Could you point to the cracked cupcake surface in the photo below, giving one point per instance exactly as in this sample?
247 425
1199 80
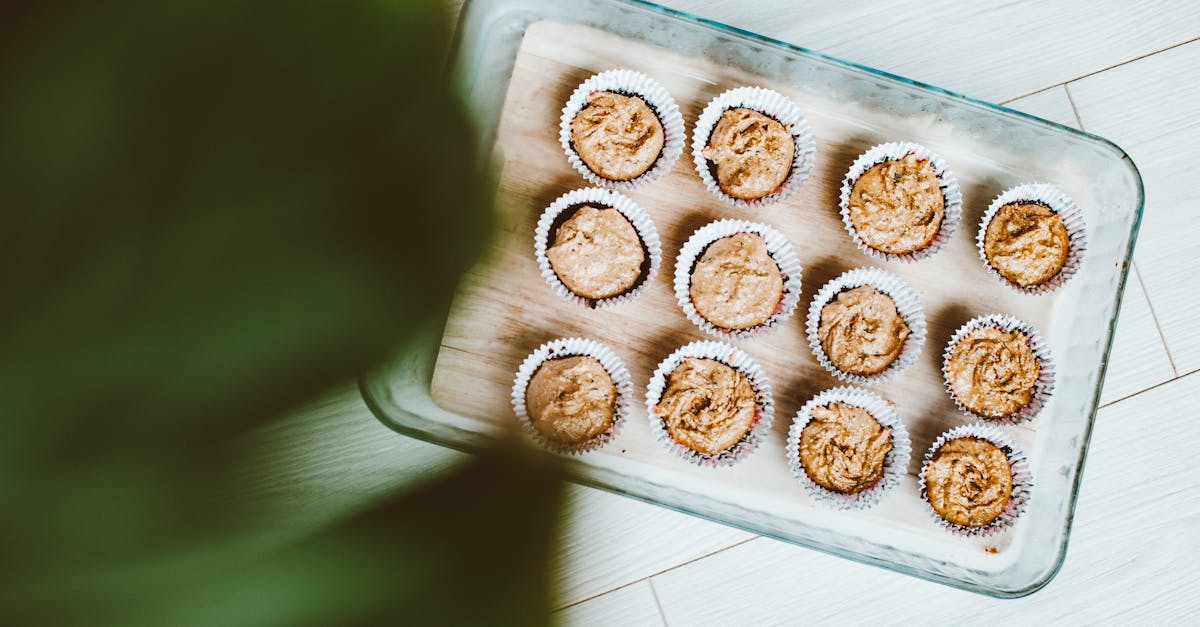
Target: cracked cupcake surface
571 400
618 137
752 153
897 206
707 406
597 253
993 372
969 481
736 284
843 448
1027 243
861 331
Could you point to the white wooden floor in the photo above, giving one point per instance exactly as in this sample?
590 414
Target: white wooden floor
1129 71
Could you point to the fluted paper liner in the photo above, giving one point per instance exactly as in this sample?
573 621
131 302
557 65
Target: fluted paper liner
907 305
596 196
951 194
774 105
1059 203
733 358
630 83
1022 479
781 252
895 464
1044 386
571 347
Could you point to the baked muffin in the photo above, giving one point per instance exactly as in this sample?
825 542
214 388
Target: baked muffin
751 152
736 284
1027 243
597 253
707 406
992 372
861 331
571 400
618 136
897 206
843 448
968 481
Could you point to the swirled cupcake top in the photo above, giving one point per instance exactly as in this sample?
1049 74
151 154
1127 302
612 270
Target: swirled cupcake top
843 448
861 331
1026 243
993 372
707 406
735 283
752 151
969 481
619 137
597 253
897 206
571 400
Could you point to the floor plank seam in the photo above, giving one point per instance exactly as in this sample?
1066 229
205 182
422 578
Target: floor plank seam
1103 69
662 616
1074 109
1154 316
598 595
1153 387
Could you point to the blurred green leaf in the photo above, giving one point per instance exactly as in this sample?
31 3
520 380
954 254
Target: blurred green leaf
213 211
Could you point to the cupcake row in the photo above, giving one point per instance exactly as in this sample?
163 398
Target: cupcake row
752 147
710 404
736 279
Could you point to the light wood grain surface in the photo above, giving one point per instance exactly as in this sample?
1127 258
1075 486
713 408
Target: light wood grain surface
1124 70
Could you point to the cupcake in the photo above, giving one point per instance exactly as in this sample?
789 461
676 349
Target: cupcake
899 202
975 480
865 326
752 146
737 279
1032 237
997 367
621 128
596 247
709 403
847 447
571 394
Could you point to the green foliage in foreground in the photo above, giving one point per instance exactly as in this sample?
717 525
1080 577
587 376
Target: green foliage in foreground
214 210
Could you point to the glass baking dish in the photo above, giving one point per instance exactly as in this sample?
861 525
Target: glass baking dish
850 107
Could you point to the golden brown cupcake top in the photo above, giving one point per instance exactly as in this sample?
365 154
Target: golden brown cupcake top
1026 243
993 372
897 206
597 253
969 482
707 405
843 448
753 153
735 283
619 137
571 400
861 331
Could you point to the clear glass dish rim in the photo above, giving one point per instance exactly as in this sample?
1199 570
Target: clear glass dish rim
470 442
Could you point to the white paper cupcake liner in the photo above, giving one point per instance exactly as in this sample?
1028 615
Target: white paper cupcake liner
595 196
895 465
1041 352
631 83
733 358
571 347
907 305
778 247
769 103
895 151
1022 479
1059 203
